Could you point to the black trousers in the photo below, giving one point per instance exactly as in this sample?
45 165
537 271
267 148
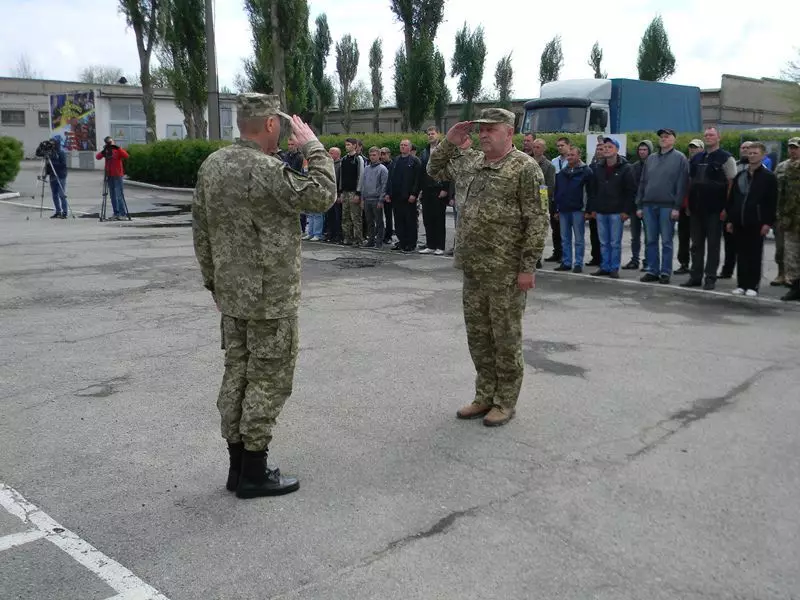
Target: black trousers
405 223
555 228
749 254
433 218
594 239
333 223
388 229
730 253
684 238
705 228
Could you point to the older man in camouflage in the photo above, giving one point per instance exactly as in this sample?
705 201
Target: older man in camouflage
501 233
788 173
247 241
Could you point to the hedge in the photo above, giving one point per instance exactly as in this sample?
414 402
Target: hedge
174 163
11 155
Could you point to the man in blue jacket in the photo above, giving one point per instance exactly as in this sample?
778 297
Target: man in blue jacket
57 170
571 191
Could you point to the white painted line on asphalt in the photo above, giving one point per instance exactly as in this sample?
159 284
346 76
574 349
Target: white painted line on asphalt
17 539
37 207
120 579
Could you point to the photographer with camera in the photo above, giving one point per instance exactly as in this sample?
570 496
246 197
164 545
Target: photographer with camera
55 168
114 155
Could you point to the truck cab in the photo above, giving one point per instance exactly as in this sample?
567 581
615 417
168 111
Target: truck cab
572 106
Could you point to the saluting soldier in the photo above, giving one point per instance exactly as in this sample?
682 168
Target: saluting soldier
502 224
247 241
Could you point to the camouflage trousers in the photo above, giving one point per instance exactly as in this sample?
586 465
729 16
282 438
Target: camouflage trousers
259 371
352 223
791 255
493 319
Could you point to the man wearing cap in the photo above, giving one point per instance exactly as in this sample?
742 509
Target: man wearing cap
788 173
665 178
247 240
502 226
711 172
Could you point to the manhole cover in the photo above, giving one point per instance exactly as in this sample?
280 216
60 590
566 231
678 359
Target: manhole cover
355 262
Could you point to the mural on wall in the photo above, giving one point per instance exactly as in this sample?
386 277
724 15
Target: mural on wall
72 116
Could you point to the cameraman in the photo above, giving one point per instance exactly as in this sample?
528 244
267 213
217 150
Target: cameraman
56 169
114 155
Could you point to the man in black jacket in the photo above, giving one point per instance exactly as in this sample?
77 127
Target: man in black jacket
386 161
405 181
710 174
612 199
435 199
750 214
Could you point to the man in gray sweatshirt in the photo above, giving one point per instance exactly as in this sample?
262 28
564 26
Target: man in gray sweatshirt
373 190
665 179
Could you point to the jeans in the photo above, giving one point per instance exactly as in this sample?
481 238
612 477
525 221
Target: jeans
609 229
572 224
117 196
314 224
658 223
59 194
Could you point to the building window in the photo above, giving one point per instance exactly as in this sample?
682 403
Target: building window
12 117
44 119
226 123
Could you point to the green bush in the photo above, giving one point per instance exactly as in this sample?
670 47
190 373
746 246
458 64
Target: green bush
174 163
171 163
11 155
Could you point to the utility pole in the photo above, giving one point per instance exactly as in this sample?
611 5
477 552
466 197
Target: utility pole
214 132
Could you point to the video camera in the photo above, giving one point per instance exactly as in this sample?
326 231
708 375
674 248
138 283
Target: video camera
108 150
45 149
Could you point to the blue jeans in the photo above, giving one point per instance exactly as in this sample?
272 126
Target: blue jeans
314 223
658 223
572 223
609 229
117 196
59 193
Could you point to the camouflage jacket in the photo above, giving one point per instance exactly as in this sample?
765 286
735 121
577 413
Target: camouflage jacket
788 173
502 220
246 226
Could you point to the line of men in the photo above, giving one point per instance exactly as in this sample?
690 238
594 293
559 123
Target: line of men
378 197
708 195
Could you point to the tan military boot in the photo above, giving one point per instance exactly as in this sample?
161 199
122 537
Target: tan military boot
498 416
473 411
779 280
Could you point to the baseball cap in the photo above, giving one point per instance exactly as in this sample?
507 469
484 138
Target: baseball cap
666 130
795 141
698 144
608 140
496 115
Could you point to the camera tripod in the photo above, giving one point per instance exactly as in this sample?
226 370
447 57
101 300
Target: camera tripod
121 200
43 178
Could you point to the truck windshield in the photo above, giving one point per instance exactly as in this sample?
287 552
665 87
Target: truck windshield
555 119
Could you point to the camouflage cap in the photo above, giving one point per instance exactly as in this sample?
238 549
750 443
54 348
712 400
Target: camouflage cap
252 105
795 141
496 115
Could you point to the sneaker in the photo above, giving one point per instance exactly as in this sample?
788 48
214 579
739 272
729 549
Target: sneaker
601 273
778 281
316 238
648 278
614 274
306 237
439 252
577 269
632 265
709 285
425 251
738 292
56 216
663 279
751 293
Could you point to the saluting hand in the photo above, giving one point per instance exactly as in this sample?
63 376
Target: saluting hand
302 132
459 132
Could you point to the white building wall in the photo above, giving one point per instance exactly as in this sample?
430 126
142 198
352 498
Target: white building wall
31 133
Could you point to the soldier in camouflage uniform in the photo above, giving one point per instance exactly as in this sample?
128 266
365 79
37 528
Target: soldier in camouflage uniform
501 232
788 173
247 241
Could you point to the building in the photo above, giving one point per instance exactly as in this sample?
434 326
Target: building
747 103
32 110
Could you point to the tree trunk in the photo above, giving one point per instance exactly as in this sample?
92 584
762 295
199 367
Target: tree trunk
200 123
147 98
376 122
278 60
188 122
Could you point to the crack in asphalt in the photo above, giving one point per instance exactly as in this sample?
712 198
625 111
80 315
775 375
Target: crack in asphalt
699 410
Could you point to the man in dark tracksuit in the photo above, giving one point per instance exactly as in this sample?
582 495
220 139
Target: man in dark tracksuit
405 181
750 214
386 161
435 199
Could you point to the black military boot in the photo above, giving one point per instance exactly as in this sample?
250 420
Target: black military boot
256 480
794 292
235 453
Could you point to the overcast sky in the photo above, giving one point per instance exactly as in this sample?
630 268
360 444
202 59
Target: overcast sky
707 38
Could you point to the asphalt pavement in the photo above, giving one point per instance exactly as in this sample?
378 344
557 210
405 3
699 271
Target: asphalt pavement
654 453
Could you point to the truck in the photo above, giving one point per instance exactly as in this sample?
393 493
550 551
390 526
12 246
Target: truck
612 106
